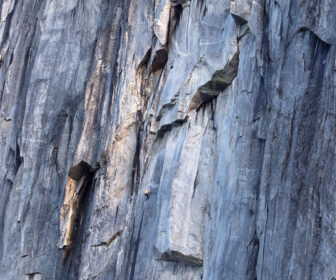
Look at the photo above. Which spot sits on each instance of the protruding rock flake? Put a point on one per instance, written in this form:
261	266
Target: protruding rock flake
79	180
219	81
167	139
161	28
159	60
241	9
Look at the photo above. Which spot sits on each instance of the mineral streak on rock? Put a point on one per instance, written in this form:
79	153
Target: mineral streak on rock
223	109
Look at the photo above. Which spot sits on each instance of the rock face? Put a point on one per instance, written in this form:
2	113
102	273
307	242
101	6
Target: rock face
224	109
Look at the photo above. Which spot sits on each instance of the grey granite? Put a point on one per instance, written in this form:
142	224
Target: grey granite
223	109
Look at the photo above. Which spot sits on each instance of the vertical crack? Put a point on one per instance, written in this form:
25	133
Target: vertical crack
136	249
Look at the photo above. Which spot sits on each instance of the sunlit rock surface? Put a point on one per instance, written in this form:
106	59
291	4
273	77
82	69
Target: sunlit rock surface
223	109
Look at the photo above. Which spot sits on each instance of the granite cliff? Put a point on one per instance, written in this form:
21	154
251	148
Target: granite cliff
224	109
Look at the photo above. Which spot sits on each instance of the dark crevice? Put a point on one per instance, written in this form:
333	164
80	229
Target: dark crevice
14	161
58	127
18	157
290	143
136	249
145	59
252	252
175	15
200	3
128	255
195	184
136	159
260	103
116	215
103	243
5	192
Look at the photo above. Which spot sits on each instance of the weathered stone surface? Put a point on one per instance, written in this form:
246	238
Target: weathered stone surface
223	109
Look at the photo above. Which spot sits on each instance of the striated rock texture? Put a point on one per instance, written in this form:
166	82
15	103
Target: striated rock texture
224	109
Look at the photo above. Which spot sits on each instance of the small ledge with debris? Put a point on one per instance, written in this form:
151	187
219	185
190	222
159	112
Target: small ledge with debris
167	127
179	257
33	276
